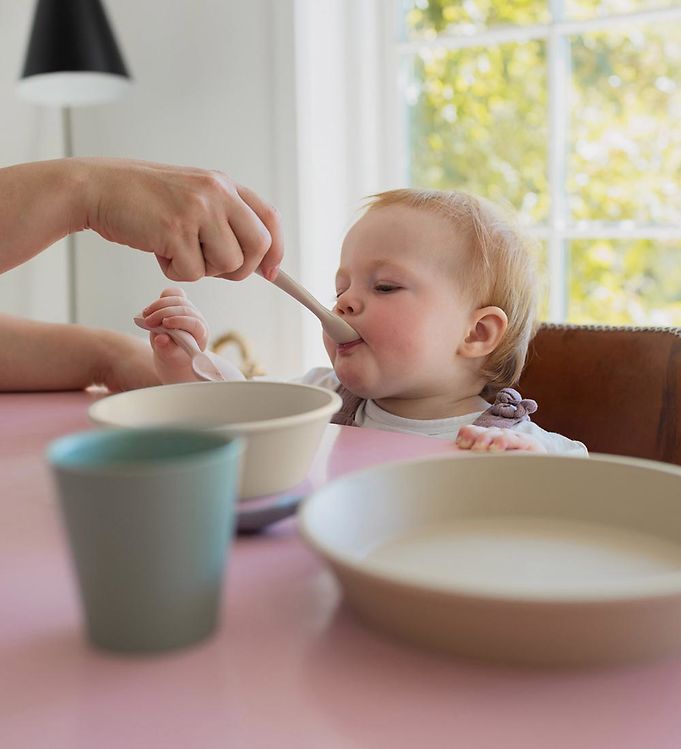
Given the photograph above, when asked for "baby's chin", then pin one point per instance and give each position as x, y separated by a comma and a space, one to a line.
362, 387
357, 385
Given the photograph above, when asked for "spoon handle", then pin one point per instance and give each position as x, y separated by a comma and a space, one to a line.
298, 292
183, 339
333, 325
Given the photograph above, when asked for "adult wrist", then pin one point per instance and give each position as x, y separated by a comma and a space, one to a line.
81, 190
104, 346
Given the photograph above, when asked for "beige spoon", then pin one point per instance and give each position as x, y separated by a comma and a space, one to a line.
205, 364
334, 326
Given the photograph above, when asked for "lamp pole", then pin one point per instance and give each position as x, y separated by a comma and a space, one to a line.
71, 264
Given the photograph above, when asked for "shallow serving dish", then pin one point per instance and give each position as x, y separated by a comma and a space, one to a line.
281, 422
537, 560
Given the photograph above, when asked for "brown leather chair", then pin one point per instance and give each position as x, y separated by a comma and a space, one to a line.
617, 390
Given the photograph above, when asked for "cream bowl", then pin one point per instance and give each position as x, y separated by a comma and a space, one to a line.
535, 560
282, 423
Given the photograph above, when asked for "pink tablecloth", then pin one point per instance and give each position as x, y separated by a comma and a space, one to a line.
290, 666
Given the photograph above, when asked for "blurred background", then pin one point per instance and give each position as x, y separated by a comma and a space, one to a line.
566, 109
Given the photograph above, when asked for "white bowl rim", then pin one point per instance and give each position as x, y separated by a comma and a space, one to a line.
665, 585
243, 427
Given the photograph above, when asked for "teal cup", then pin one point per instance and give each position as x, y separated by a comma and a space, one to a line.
149, 516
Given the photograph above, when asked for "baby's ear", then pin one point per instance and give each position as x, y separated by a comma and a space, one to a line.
486, 329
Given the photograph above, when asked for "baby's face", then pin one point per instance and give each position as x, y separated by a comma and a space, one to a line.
397, 286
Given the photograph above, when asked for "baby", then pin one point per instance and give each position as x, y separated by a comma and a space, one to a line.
441, 288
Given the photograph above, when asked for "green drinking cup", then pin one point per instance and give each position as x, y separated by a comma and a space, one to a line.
149, 515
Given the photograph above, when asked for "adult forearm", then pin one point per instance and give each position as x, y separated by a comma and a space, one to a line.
40, 203
197, 222
48, 356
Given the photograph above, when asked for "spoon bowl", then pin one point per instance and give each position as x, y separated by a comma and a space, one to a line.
206, 365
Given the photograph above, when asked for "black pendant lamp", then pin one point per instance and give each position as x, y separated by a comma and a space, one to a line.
72, 58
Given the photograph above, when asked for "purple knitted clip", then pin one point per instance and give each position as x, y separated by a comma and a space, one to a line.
508, 410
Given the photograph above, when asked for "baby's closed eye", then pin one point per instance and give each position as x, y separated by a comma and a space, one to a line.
386, 288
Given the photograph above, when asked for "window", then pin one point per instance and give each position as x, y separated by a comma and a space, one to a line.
569, 110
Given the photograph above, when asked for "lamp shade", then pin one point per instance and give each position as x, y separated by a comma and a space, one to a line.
72, 57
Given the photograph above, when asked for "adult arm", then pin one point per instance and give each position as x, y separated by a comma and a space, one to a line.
197, 222
51, 356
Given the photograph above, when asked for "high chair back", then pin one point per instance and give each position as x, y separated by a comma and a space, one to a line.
617, 390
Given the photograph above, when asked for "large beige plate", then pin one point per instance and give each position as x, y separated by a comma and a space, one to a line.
281, 422
526, 559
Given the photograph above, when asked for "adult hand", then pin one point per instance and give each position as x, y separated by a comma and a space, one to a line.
197, 222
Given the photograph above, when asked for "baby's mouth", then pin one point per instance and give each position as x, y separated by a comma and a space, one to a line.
344, 347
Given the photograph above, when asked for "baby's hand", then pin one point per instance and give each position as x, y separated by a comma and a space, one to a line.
175, 311
493, 439
125, 362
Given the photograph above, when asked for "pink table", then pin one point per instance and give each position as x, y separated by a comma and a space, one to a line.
290, 666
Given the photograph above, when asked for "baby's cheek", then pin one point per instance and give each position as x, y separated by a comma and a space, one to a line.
390, 331
330, 347
402, 349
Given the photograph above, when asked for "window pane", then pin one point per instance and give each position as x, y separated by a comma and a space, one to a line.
579, 9
478, 122
625, 150
424, 19
625, 282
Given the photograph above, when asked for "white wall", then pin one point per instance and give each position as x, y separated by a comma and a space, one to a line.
27, 133
212, 85
342, 133
281, 94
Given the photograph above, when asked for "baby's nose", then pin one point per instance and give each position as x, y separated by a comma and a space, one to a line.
348, 304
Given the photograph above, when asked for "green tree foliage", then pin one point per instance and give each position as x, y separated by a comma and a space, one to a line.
596, 8
625, 282
625, 142
478, 120
427, 18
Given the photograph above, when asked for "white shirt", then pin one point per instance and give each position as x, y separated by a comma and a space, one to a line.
370, 414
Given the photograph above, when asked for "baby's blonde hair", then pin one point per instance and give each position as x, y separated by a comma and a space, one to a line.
500, 270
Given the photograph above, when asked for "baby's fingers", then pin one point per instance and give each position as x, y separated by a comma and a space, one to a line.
469, 435
466, 436
191, 324
172, 362
490, 439
156, 318
502, 440
168, 297
173, 291
493, 439
481, 439
159, 340
166, 302
164, 346
526, 443
508, 440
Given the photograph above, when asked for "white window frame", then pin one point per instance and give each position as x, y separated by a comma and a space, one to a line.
339, 126
559, 231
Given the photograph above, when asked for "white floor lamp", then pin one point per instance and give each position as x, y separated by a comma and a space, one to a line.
72, 60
